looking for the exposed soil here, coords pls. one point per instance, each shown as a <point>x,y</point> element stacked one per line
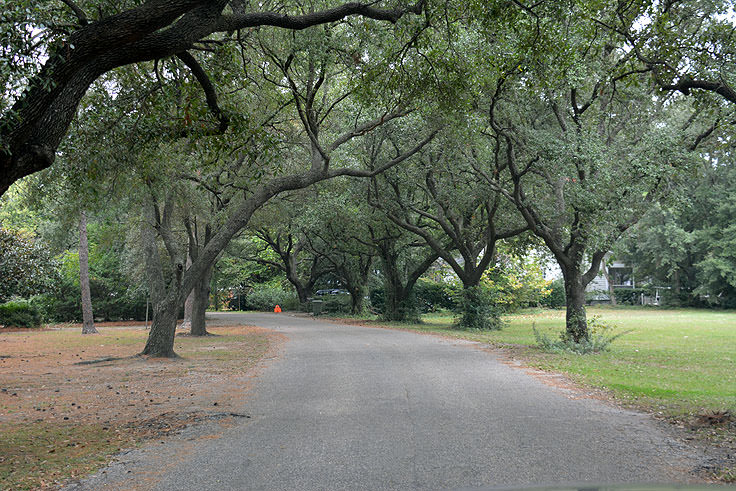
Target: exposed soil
<point>59,379</point>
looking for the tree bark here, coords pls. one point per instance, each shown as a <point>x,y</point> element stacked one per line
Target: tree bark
<point>187,322</point>
<point>356,299</point>
<point>31,131</point>
<point>396,306</point>
<point>163,328</point>
<point>164,300</point>
<point>201,294</point>
<point>301,292</point>
<point>88,321</point>
<point>576,323</point>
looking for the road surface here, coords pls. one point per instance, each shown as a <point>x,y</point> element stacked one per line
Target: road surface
<point>345,407</point>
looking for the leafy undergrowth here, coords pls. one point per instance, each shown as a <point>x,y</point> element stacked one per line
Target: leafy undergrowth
<point>68,402</point>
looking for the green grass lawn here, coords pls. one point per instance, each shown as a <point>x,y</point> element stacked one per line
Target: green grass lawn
<point>680,362</point>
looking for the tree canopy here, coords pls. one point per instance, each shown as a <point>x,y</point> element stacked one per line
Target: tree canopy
<point>363,144</point>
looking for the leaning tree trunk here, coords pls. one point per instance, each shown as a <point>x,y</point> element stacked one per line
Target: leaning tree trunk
<point>88,322</point>
<point>163,328</point>
<point>575,318</point>
<point>201,293</point>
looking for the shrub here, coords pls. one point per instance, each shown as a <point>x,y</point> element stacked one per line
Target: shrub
<point>25,266</point>
<point>476,309</point>
<point>19,313</point>
<point>631,296</point>
<point>432,296</point>
<point>601,337</point>
<point>556,297</point>
<point>377,298</point>
<point>65,304</point>
<point>342,302</point>
<point>265,298</point>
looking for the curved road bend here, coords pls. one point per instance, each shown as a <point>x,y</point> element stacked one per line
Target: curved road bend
<point>347,407</point>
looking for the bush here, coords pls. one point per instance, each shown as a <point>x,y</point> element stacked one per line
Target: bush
<point>432,296</point>
<point>476,309</point>
<point>601,337</point>
<point>556,297</point>
<point>342,302</point>
<point>65,304</point>
<point>19,314</point>
<point>26,268</point>
<point>631,296</point>
<point>265,298</point>
<point>377,297</point>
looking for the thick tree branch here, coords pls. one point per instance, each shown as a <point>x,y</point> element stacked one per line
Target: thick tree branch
<point>298,22</point>
<point>31,131</point>
<point>81,16</point>
<point>346,171</point>
<point>686,84</point>
<point>209,89</point>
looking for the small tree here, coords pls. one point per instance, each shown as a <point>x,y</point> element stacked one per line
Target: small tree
<point>88,321</point>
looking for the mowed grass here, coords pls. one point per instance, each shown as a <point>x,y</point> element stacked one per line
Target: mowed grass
<point>680,362</point>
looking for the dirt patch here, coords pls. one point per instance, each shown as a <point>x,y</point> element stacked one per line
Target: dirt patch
<point>62,391</point>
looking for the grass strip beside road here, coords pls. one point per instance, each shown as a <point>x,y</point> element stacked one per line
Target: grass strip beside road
<point>60,419</point>
<point>679,362</point>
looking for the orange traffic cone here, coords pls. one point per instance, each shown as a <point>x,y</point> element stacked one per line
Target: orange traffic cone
<point>277,309</point>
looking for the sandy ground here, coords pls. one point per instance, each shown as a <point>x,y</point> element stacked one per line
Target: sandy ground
<point>56,377</point>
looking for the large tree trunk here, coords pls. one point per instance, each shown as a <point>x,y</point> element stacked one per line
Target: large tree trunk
<point>576,322</point>
<point>301,290</point>
<point>201,293</point>
<point>88,321</point>
<point>356,299</point>
<point>397,306</point>
<point>163,328</point>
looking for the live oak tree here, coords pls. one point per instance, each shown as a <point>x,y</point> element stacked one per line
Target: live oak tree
<point>685,47</point>
<point>687,244</point>
<point>356,243</point>
<point>87,39</point>
<point>334,229</point>
<point>587,144</point>
<point>316,85</point>
<point>280,228</point>
<point>457,216</point>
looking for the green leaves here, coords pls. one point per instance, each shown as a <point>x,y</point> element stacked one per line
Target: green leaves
<point>25,266</point>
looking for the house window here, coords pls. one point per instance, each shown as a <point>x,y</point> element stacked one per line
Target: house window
<point>621,277</point>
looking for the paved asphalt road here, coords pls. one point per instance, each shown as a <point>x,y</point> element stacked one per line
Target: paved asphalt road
<point>347,407</point>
